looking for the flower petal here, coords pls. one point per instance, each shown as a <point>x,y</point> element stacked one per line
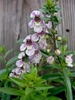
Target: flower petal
<point>11,75</point>
<point>32,57</point>
<point>35,37</point>
<point>27,67</point>
<point>68,59</point>
<point>29,46</point>
<point>27,37</point>
<point>31,24</point>
<point>49,25</point>
<point>36,13</point>
<point>48,15</point>
<point>70,64</point>
<point>21,55</point>
<point>18,71</point>
<point>33,13</point>
<point>13,70</point>
<point>50,59</point>
<point>30,52</point>
<point>42,43</point>
<point>19,63</point>
<point>38,58</point>
<point>35,46</point>
<point>38,29</point>
<point>23,47</point>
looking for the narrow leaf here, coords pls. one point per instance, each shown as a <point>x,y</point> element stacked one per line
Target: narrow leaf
<point>1,58</point>
<point>54,98</point>
<point>18,81</point>
<point>68,85</point>
<point>43,87</point>
<point>8,52</point>
<point>10,91</point>
<point>52,76</point>
<point>11,61</point>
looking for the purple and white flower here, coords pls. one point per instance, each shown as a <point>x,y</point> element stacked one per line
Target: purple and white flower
<point>42,43</point>
<point>25,68</point>
<point>37,23</point>
<point>36,57</point>
<point>50,59</point>
<point>49,25</point>
<point>69,60</point>
<point>37,36</point>
<point>16,72</point>
<point>40,37</point>
<point>28,45</point>
<point>21,57</point>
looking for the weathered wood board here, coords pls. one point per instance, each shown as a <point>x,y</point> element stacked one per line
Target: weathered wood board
<point>14,18</point>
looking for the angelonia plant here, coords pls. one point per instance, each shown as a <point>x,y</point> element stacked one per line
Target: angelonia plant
<point>43,66</point>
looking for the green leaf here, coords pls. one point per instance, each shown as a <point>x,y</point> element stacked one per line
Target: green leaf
<point>2,50</point>
<point>54,98</point>
<point>46,54</point>
<point>1,58</point>
<point>72,74</point>
<point>59,18</point>
<point>55,19</point>
<point>38,97</point>
<point>63,48</point>
<point>2,71</point>
<point>3,74</point>
<point>11,61</point>
<point>43,87</point>
<point>52,76</point>
<point>68,85</point>
<point>42,10</point>
<point>18,81</point>
<point>20,41</point>
<point>28,90</point>
<point>10,91</point>
<point>69,52</point>
<point>8,52</point>
<point>45,18</point>
<point>57,90</point>
<point>23,97</point>
<point>58,9</point>
<point>5,97</point>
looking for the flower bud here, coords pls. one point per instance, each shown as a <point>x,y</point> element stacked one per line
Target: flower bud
<point>48,50</point>
<point>59,21</point>
<point>54,31</point>
<point>47,36</point>
<point>49,47</point>
<point>58,38</point>
<point>55,14</point>
<point>57,52</point>
<point>64,40</point>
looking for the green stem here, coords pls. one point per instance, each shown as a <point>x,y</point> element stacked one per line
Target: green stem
<point>67,84</point>
<point>66,77</point>
<point>54,38</point>
<point>54,41</point>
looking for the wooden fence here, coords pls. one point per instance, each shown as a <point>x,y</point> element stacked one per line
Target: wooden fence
<point>14,18</point>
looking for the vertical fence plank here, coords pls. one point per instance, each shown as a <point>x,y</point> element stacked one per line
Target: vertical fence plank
<point>1,29</point>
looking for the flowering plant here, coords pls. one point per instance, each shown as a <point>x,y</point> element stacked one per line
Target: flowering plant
<point>44,62</point>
